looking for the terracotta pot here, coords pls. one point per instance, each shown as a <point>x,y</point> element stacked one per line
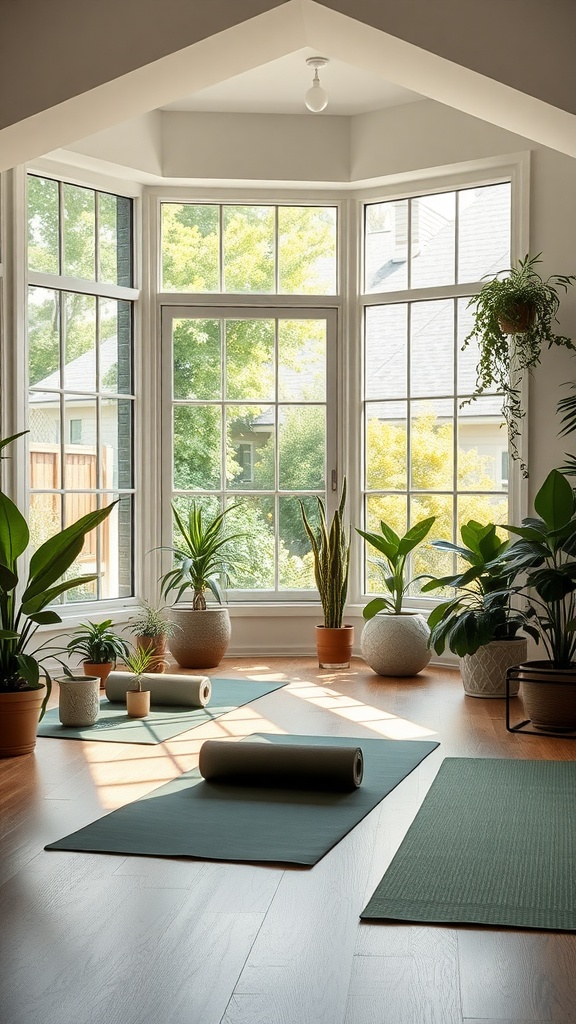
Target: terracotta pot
<point>138,703</point>
<point>78,700</point>
<point>396,645</point>
<point>100,669</point>
<point>19,714</point>
<point>334,646</point>
<point>521,316</point>
<point>484,673</point>
<point>548,695</point>
<point>157,646</point>
<point>202,639</point>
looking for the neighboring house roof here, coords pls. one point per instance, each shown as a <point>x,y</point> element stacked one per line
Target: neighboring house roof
<point>80,374</point>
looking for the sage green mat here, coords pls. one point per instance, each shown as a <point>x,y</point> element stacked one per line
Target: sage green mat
<point>163,723</point>
<point>190,817</point>
<point>493,843</point>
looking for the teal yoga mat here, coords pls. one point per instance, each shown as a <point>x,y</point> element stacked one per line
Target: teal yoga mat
<point>494,843</point>
<point>190,817</point>
<point>114,725</point>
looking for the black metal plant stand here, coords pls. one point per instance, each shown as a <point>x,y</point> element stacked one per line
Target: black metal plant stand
<point>512,676</point>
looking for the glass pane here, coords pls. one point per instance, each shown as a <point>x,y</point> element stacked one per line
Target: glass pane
<point>468,358</point>
<point>388,508</point>
<point>250,359</point>
<point>80,459</point>
<point>432,443</point>
<point>386,446</point>
<point>252,556</point>
<point>196,354</point>
<point>307,250</point>
<point>43,221</point>
<point>209,504</point>
<point>79,337</point>
<point>250,447</point>
<point>484,231</point>
<point>44,518</point>
<point>248,249</point>
<point>433,240</point>
<point>482,446</point>
<point>386,246</point>
<point>386,349</point>
<point>79,246</point>
<point>302,447</point>
<point>115,350</point>
<point>116,443</point>
<point>432,348</point>
<point>295,561</point>
<point>427,559</point>
<point>44,445</point>
<point>44,337</point>
<point>484,508</point>
<point>197,437</point>
<point>190,248</point>
<point>114,239</point>
<point>302,360</point>
<point>88,561</point>
<point>115,546</point>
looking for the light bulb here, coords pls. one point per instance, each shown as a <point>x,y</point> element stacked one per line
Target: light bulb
<point>316,99</point>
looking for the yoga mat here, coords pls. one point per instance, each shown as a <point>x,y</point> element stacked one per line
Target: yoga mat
<point>295,766</point>
<point>114,725</point>
<point>165,689</point>
<point>493,843</point>
<point>190,817</point>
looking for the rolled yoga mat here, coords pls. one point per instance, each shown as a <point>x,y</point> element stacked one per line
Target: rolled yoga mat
<point>183,691</point>
<point>295,766</point>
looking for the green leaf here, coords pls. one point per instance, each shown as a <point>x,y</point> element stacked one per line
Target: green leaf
<point>51,560</point>
<point>45,618</point>
<point>554,501</point>
<point>388,548</point>
<point>14,533</point>
<point>378,604</point>
<point>415,535</point>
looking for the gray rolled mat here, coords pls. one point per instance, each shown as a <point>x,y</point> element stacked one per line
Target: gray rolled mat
<point>190,817</point>
<point>296,766</point>
<point>165,689</point>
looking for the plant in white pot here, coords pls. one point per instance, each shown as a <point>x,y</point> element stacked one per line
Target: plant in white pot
<point>202,632</point>
<point>479,623</point>
<point>394,640</point>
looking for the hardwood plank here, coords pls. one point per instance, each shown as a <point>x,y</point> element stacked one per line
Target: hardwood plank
<point>403,990</point>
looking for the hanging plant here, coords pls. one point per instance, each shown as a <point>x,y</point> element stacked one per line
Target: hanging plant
<point>514,315</point>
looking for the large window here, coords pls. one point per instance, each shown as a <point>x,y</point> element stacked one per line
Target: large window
<point>81,394</point>
<point>427,449</point>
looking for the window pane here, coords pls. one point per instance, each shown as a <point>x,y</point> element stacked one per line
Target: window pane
<point>44,445</point>
<point>432,348</point>
<point>248,249</point>
<point>79,337</point>
<point>115,349</point>
<point>115,543</point>
<point>250,359</point>
<point>295,563</point>
<point>114,239</point>
<point>307,250</point>
<point>43,221</point>
<point>433,240</point>
<point>250,447</point>
<point>386,246</point>
<point>252,556</point>
<point>426,558</point>
<point>190,247</point>
<point>116,443</point>
<point>80,450</point>
<point>88,561</point>
<point>197,355</point>
<point>197,447</point>
<point>432,434</point>
<point>482,440</point>
<point>79,246</point>
<point>302,360</point>
<point>386,446</point>
<point>484,231</point>
<point>302,447</point>
<point>44,518</point>
<point>386,348</point>
<point>44,337</point>
<point>392,510</point>
<point>484,508</point>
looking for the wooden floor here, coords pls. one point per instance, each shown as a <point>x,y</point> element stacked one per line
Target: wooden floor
<point>98,939</point>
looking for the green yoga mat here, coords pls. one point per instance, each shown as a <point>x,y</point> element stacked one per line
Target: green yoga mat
<point>114,725</point>
<point>190,817</point>
<point>494,843</point>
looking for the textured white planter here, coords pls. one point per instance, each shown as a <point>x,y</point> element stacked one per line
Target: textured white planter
<point>396,645</point>
<point>202,637</point>
<point>484,673</point>
<point>79,700</point>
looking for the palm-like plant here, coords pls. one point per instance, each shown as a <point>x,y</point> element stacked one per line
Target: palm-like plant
<point>201,563</point>
<point>138,661</point>
<point>331,551</point>
<point>97,643</point>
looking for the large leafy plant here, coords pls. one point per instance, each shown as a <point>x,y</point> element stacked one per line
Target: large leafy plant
<point>22,612</point>
<point>200,560</point>
<point>98,643</point>
<point>393,565</point>
<point>331,552</point>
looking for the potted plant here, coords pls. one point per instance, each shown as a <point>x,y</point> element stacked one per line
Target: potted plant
<point>202,633</point>
<point>331,553</point>
<point>545,554</point>
<point>152,626</point>
<point>514,317</point>
<point>23,694</point>
<point>99,648</point>
<point>138,661</point>
<point>479,624</point>
<point>394,641</point>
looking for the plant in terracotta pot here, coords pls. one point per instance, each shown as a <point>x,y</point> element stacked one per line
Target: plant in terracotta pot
<point>152,627</point>
<point>395,641</point>
<point>479,623</point>
<point>99,648</point>
<point>25,682</point>
<point>513,319</point>
<point>331,552</point>
<point>545,556</point>
<point>202,632</point>
<point>138,661</point>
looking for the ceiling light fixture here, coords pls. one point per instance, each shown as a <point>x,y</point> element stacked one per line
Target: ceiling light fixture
<point>316,99</point>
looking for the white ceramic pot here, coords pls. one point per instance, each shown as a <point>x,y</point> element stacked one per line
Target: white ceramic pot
<point>484,673</point>
<point>79,700</point>
<point>396,645</point>
<point>202,637</point>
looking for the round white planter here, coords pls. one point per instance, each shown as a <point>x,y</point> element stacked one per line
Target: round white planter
<point>201,638</point>
<point>484,673</point>
<point>396,645</point>
<point>79,700</point>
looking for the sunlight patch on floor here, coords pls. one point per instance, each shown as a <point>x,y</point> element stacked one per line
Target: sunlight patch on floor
<point>382,722</point>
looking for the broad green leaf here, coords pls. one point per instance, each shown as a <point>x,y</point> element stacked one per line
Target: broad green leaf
<point>49,563</point>
<point>554,501</point>
<point>14,533</point>
<point>415,535</point>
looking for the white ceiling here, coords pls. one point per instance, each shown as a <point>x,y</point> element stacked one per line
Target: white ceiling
<point>279,87</point>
